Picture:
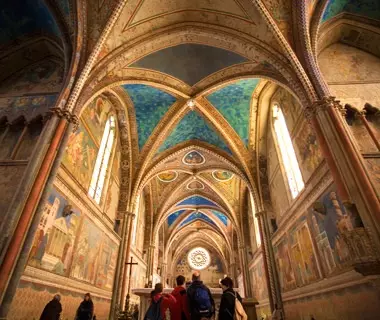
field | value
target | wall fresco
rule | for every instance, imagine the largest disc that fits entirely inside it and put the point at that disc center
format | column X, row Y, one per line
column 308, row 151
column 366, row 8
column 260, row 290
column 302, row 254
column 69, row 244
column 80, row 156
column 286, row 273
column 112, row 199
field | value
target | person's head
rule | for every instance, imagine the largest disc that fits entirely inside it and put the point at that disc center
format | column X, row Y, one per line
column 196, row 276
column 87, row 297
column 158, row 288
column 226, row 283
column 57, row 297
column 180, row 280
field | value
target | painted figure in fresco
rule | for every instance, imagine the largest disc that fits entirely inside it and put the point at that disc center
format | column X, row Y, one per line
column 193, row 157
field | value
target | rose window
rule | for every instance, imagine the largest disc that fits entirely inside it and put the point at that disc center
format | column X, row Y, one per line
column 198, row 258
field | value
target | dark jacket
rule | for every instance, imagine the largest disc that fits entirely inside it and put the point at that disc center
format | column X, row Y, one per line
column 52, row 310
column 227, row 304
column 194, row 314
column 85, row 310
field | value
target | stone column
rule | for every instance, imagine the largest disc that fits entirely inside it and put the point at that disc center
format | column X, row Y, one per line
column 245, row 270
column 130, row 219
column 54, row 139
column 346, row 163
column 150, row 261
column 164, row 273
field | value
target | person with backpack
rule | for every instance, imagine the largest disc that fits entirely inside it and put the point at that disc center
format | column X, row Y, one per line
column 231, row 303
column 159, row 304
column 201, row 303
column 180, row 310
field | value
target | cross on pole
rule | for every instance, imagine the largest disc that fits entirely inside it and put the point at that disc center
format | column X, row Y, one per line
column 131, row 264
column 130, row 273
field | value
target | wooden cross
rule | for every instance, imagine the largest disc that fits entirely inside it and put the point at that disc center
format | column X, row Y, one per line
column 130, row 273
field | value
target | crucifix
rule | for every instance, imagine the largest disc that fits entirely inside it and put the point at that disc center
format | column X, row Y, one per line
column 130, row 264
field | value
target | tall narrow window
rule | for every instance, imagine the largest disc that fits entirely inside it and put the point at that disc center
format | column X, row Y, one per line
column 289, row 159
column 102, row 161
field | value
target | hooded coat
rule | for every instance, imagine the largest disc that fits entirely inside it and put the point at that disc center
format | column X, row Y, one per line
column 85, row 310
column 52, row 310
column 227, row 304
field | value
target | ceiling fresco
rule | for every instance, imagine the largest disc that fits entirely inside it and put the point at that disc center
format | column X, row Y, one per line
column 197, row 201
column 168, row 176
column 173, row 217
column 154, row 8
column 222, row 176
column 150, row 106
column 197, row 216
column 233, row 102
column 193, row 126
column 189, row 63
column 22, row 17
column 222, row 217
column 366, row 8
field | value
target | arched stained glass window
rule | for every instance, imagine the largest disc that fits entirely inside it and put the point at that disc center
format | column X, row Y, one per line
column 102, row 161
column 289, row 159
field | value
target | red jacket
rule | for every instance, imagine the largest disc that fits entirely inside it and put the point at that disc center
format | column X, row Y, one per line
column 181, row 305
column 168, row 301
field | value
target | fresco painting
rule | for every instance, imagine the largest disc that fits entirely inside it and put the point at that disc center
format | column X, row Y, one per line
column 366, row 8
column 286, row 273
column 329, row 219
column 112, row 199
column 234, row 103
column 194, row 126
column 189, row 62
column 54, row 241
column 168, row 176
column 87, row 253
column 42, row 77
column 80, row 156
column 197, row 201
column 150, row 105
column 197, row 216
column 193, row 158
column 373, row 167
column 309, row 153
column 107, row 264
column 222, row 217
column 302, row 252
column 260, row 290
column 195, row 185
column 173, row 217
column 95, row 116
column 222, row 176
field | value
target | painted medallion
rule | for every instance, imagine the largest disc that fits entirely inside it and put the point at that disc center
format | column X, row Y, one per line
column 195, row 185
column 222, row 175
column 167, row 176
column 193, row 158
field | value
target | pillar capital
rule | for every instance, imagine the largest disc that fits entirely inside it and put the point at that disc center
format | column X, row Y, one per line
column 66, row 114
column 322, row 105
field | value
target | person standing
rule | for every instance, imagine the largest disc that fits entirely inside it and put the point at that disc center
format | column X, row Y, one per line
column 227, row 302
column 159, row 304
column 53, row 309
column 135, row 314
column 86, row 309
column 180, row 310
column 201, row 303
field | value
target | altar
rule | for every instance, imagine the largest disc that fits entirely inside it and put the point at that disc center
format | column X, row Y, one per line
column 144, row 294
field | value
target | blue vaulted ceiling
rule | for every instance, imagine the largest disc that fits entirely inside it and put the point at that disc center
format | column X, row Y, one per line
column 22, row 17
column 197, row 215
column 365, row 8
column 233, row 102
column 194, row 126
column 222, row 217
column 150, row 104
column 197, row 201
column 189, row 62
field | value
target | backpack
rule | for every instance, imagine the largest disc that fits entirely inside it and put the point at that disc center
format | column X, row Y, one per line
column 239, row 310
column 202, row 300
column 154, row 311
